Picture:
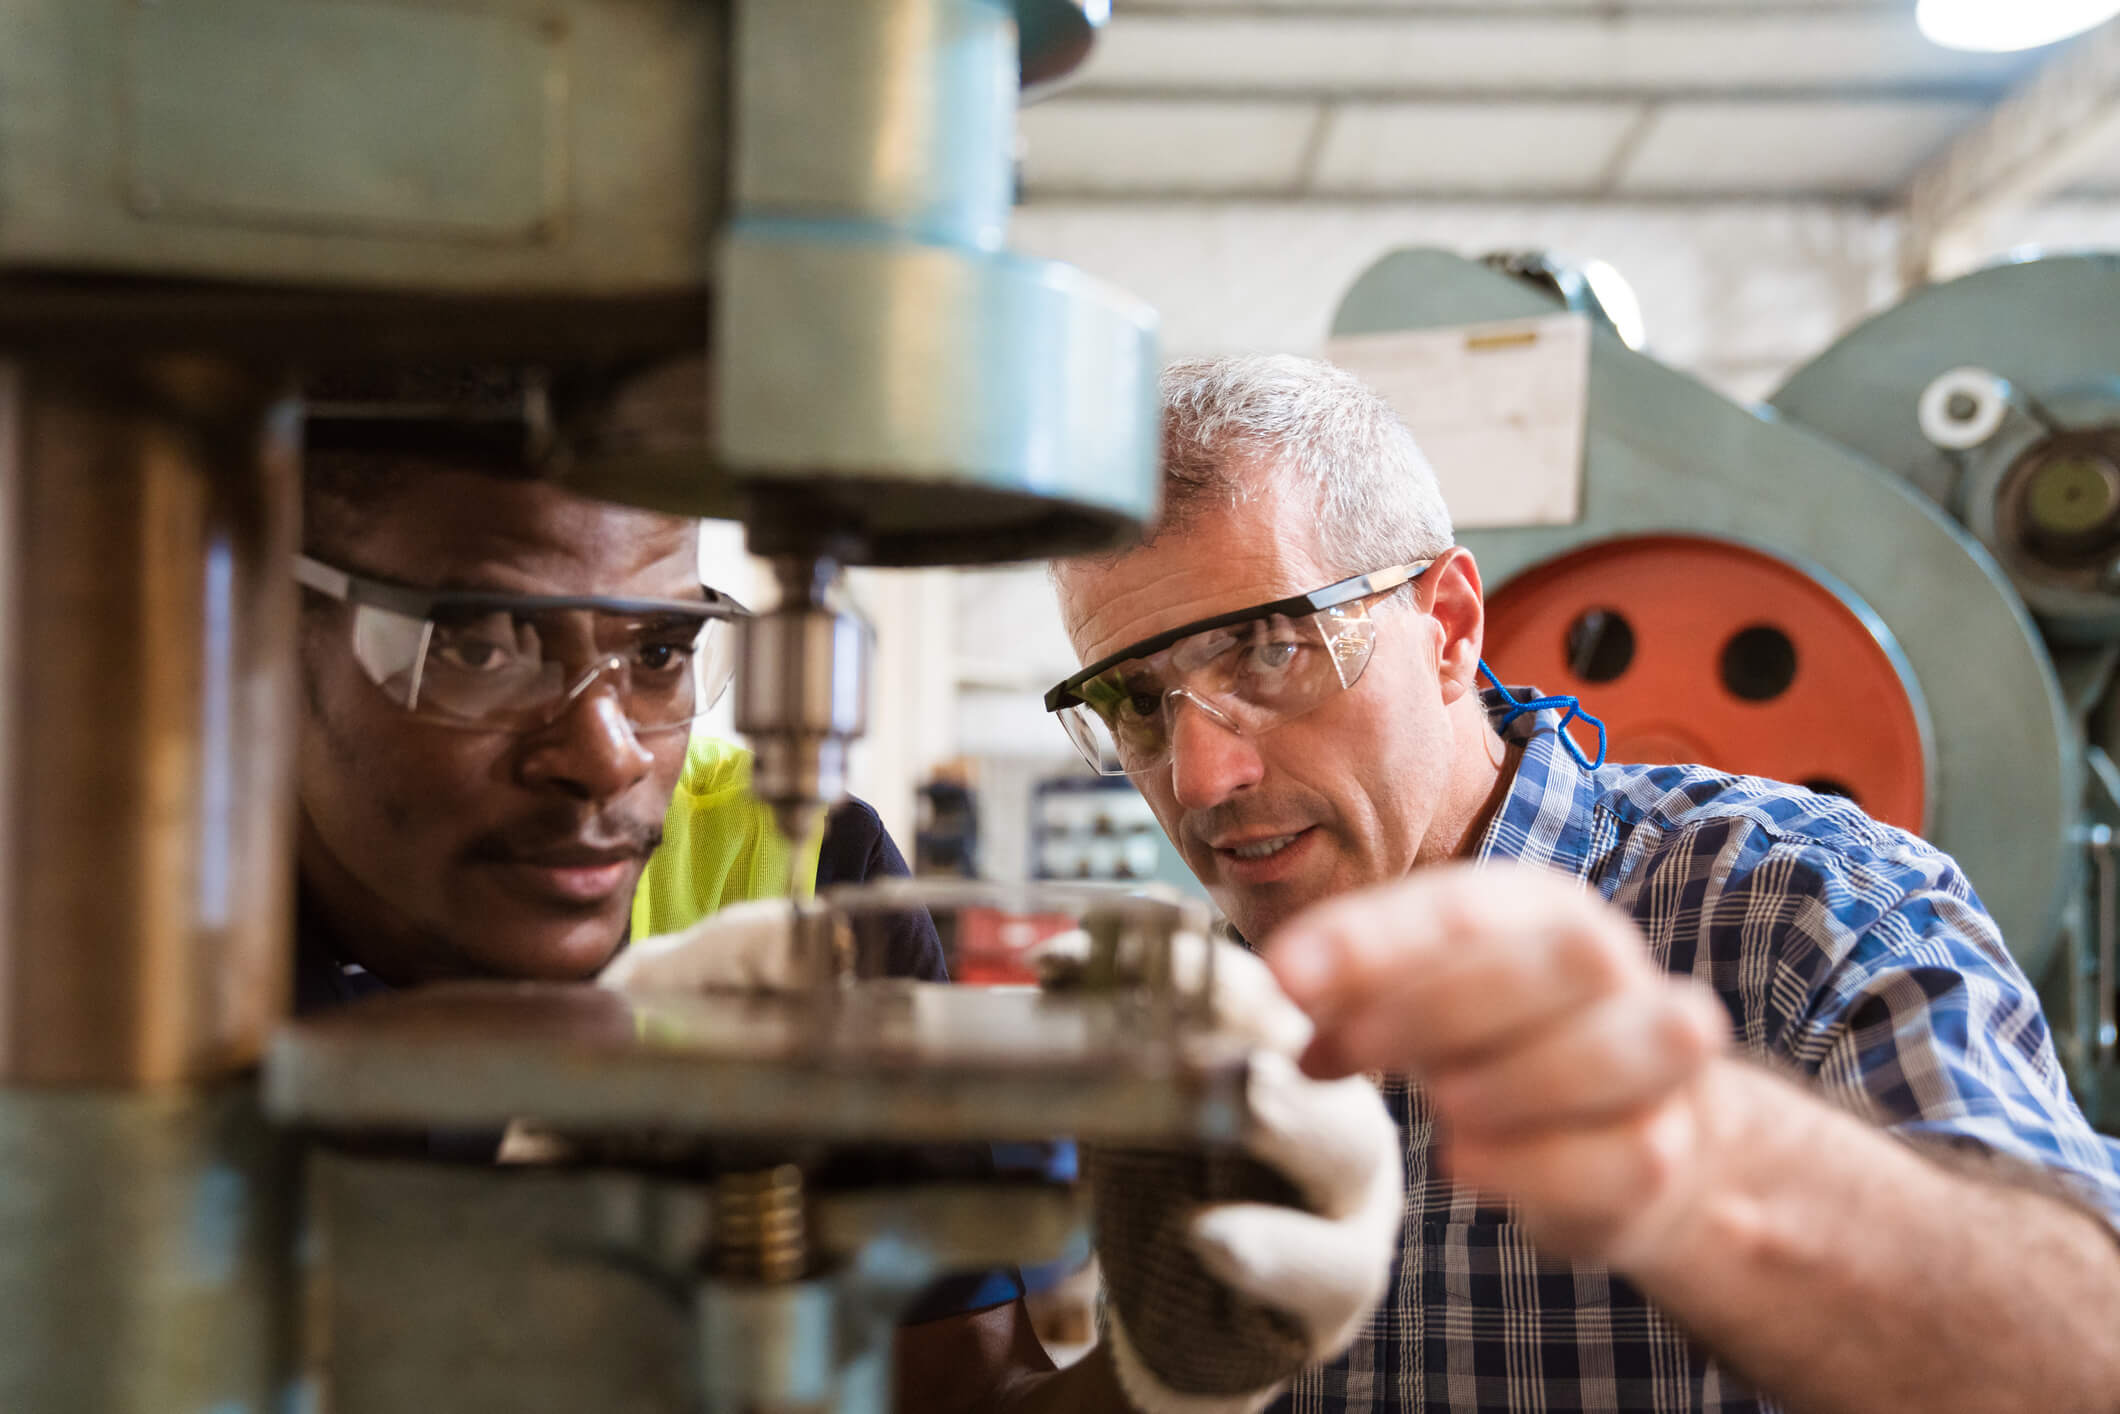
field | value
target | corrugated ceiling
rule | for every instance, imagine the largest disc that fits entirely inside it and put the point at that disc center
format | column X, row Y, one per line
column 1507, row 99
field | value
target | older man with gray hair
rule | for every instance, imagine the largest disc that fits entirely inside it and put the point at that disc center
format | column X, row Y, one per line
column 1714, row 1094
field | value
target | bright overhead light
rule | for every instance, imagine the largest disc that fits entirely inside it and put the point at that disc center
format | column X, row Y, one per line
column 1996, row 26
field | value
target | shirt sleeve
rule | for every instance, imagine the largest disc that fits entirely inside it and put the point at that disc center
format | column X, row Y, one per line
column 857, row 848
column 1930, row 1025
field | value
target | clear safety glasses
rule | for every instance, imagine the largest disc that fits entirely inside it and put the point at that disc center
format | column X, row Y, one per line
column 513, row 662
column 1248, row 671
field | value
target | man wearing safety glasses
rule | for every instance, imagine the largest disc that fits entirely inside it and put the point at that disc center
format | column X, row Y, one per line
column 496, row 771
column 497, row 774
column 1713, row 1093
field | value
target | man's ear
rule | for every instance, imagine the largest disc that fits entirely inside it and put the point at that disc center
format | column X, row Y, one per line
column 1451, row 590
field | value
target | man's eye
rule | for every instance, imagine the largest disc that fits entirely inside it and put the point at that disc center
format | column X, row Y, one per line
column 1140, row 702
column 1274, row 657
column 662, row 657
column 475, row 655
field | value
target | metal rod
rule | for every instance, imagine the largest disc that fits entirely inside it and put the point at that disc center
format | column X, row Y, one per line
column 146, row 616
column 2102, row 852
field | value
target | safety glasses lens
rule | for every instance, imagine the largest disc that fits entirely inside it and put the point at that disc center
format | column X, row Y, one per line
column 1249, row 678
column 515, row 670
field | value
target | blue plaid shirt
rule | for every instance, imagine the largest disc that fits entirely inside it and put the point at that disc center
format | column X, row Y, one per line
column 1841, row 947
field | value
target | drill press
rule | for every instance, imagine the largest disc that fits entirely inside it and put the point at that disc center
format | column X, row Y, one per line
column 755, row 250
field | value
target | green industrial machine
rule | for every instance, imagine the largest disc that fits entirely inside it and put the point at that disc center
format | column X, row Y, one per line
column 735, row 257
column 1899, row 581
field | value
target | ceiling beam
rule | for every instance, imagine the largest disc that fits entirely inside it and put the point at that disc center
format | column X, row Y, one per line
column 1277, row 194
column 1547, row 10
column 2038, row 140
column 1170, row 91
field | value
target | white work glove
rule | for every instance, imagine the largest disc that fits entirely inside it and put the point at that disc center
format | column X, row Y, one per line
column 1224, row 1276
column 746, row 947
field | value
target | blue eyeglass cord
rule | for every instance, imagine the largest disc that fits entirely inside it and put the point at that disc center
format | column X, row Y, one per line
column 1570, row 709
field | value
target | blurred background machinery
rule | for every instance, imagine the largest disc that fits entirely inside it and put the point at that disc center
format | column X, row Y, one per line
column 746, row 258
column 1898, row 582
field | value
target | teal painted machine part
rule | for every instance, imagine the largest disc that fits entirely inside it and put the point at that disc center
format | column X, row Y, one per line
column 793, row 194
column 1666, row 454
column 2039, row 341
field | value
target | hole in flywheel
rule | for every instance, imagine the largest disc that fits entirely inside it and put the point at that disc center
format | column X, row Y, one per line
column 1759, row 664
column 1826, row 785
column 1600, row 645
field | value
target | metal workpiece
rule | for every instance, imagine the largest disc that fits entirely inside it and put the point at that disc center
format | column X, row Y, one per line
column 1127, row 1052
column 1143, row 943
column 1666, row 455
column 144, row 1253
column 887, row 1062
column 146, row 622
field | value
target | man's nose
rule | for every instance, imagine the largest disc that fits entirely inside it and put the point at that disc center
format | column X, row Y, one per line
column 1209, row 760
column 589, row 751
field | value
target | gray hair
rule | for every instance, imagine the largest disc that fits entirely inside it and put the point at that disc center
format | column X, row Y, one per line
column 1230, row 423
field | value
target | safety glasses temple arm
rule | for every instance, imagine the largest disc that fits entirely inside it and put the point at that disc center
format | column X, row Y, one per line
column 423, row 603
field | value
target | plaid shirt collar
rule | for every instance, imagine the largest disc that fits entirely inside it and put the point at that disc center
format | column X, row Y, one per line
column 1548, row 814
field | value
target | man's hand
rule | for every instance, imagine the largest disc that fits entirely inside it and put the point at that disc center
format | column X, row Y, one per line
column 746, row 947
column 1568, row 1072
column 1224, row 1276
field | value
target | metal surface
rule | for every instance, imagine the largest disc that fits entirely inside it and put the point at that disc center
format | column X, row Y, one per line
column 892, row 387
column 2106, row 978
column 760, row 1225
column 143, row 1244
column 521, row 146
column 1014, row 416
column 483, row 1291
column 146, row 617
column 1033, row 433
column 2049, row 333
column 895, row 1061
column 796, row 204
column 1760, row 665
column 802, row 699
column 782, row 1350
column 1667, row 455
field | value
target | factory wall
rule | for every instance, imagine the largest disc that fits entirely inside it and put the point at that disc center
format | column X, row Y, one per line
column 1738, row 294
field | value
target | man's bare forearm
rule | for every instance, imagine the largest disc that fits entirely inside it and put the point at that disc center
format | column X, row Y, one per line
column 1840, row 1271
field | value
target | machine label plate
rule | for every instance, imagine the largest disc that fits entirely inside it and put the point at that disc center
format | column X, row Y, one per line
column 1500, row 409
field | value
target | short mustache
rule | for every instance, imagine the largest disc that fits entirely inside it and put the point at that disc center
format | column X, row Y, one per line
column 1238, row 816
column 543, row 835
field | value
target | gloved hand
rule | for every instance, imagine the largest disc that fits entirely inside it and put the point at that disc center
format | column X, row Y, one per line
column 1226, row 1274
column 746, row 947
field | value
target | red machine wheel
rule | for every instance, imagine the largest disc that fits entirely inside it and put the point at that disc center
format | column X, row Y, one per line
column 1694, row 649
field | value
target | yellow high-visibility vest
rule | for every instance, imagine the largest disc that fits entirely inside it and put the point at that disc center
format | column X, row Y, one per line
column 720, row 845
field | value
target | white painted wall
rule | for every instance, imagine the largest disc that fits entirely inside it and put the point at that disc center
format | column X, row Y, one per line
column 1735, row 293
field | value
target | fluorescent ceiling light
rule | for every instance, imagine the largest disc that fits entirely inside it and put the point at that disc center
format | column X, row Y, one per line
column 1995, row 26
